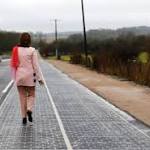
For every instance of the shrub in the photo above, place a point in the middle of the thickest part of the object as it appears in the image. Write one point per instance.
(76, 59)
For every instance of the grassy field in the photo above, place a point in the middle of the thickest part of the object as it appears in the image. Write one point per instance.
(52, 57)
(63, 58)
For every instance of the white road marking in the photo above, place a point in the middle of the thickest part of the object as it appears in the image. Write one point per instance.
(4, 101)
(7, 87)
(66, 139)
(5, 60)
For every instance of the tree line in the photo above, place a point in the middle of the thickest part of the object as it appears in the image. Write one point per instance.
(127, 56)
(8, 40)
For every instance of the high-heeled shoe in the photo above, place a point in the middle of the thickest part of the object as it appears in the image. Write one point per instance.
(24, 121)
(29, 113)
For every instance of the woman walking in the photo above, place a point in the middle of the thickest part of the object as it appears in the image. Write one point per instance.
(26, 71)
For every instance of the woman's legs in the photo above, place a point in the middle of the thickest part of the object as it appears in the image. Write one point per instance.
(30, 101)
(30, 97)
(27, 98)
(23, 101)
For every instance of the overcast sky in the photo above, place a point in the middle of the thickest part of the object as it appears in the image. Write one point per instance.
(36, 15)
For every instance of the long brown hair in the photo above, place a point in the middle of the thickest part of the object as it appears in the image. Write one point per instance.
(25, 40)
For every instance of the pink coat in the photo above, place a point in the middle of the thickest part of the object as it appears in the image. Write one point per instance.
(28, 71)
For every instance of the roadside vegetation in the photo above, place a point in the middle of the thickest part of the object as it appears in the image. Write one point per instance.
(127, 56)
(9, 39)
(123, 54)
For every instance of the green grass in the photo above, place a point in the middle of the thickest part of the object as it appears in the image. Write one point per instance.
(65, 58)
(6, 53)
(52, 57)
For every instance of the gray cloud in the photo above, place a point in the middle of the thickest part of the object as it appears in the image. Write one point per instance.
(35, 15)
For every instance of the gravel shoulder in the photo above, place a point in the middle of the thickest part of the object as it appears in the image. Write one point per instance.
(128, 96)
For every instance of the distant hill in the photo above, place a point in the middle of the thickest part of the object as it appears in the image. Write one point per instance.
(50, 37)
(96, 34)
(103, 34)
(141, 30)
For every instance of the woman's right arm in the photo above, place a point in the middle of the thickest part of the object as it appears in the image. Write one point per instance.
(36, 67)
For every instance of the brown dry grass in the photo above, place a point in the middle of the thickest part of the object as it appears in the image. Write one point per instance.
(126, 95)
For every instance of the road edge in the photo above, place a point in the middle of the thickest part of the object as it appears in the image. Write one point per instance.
(6, 91)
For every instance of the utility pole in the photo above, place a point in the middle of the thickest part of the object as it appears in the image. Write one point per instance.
(56, 39)
(84, 31)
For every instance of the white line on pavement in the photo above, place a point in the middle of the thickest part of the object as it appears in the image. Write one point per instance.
(4, 101)
(5, 60)
(66, 139)
(8, 86)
